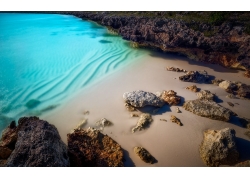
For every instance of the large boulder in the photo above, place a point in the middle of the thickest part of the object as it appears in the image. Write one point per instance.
(208, 109)
(141, 98)
(219, 148)
(91, 148)
(38, 144)
(195, 76)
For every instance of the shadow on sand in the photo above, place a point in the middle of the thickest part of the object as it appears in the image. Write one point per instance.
(243, 148)
(127, 160)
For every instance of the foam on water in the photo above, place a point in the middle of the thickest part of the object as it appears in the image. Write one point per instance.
(45, 59)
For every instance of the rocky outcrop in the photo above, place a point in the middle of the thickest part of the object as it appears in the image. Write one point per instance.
(141, 98)
(195, 76)
(144, 155)
(170, 97)
(91, 148)
(38, 144)
(143, 122)
(243, 164)
(205, 95)
(223, 43)
(219, 148)
(192, 88)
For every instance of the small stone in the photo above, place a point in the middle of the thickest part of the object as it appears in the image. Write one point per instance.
(163, 120)
(104, 122)
(178, 110)
(144, 120)
(134, 115)
(129, 107)
(170, 97)
(192, 88)
(176, 120)
(230, 104)
(86, 112)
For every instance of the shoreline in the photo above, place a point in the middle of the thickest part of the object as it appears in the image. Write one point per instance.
(166, 141)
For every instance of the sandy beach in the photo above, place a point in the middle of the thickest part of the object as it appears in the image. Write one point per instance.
(170, 144)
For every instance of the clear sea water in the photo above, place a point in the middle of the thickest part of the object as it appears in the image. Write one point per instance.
(46, 58)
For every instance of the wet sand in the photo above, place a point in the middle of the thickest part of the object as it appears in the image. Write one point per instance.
(170, 144)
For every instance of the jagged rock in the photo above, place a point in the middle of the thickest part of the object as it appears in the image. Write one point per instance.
(141, 98)
(129, 107)
(192, 88)
(38, 144)
(245, 122)
(144, 155)
(170, 97)
(219, 148)
(230, 104)
(243, 164)
(178, 110)
(104, 122)
(247, 74)
(205, 95)
(144, 120)
(217, 81)
(90, 148)
(176, 120)
(208, 109)
(227, 85)
(175, 69)
(195, 76)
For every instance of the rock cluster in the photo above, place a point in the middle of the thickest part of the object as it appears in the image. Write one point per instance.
(141, 98)
(90, 148)
(144, 155)
(192, 88)
(195, 76)
(33, 143)
(219, 148)
(143, 122)
(170, 97)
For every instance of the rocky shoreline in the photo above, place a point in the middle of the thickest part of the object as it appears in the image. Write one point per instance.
(227, 44)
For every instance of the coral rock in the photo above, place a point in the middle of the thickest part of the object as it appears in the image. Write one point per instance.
(144, 155)
(170, 97)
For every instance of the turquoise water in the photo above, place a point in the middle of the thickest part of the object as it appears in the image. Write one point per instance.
(45, 59)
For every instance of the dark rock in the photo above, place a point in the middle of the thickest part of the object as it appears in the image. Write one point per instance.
(219, 147)
(90, 148)
(143, 122)
(195, 76)
(141, 98)
(144, 155)
(244, 91)
(38, 144)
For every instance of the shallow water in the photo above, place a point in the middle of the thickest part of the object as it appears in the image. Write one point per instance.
(45, 59)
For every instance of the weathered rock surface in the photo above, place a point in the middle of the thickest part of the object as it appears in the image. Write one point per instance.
(175, 69)
(219, 148)
(243, 164)
(104, 122)
(175, 120)
(245, 122)
(144, 155)
(90, 148)
(143, 122)
(228, 45)
(38, 144)
(170, 97)
(217, 81)
(227, 85)
(205, 95)
(195, 76)
(141, 98)
(208, 109)
(129, 107)
(192, 88)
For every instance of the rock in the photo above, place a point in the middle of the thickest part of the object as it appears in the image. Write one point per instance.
(231, 96)
(129, 107)
(143, 122)
(104, 122)
(3, 163)
(144, 155)
(38, 144)
(243, 164)
(205, 95)
(227, 85)
(195, 76)
(91, 148)
(4, 152)
(141, 98)
(217, 81)
(170, 97)
(243, 91)
(32, 103)
(247, 134)
(208, 109)
(245, 122)
(192, 88)
(175, 69)
(86, 112)
(219, 148)
(178, 110)
(134, 115)
(163, 120)
(230, 104)
(176, 120)
(247, 74)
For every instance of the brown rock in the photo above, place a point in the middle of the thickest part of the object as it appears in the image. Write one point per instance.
(163, 120)
(205, 95)
(217, 81)
(192, 88)
(134, 115)
(91, 148)
(143, 122)
(219, 148)
(243, 164)
(144, 155)
(176, 120)
(5, 152)
(170, 97)
(247, 74)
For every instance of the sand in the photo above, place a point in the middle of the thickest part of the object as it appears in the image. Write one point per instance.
(170, 144)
